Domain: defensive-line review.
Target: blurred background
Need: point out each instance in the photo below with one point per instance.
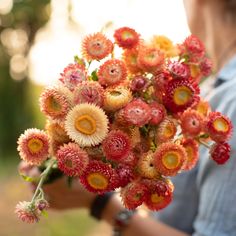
(38, 38)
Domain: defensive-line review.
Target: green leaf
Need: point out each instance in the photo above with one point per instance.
(29, 179)
(204, 136)
(94, 76)
(79, 60)
(44, 213)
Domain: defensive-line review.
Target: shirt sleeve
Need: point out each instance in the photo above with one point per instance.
(217, 190)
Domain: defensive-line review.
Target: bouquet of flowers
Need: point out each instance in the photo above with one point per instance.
(129, 124)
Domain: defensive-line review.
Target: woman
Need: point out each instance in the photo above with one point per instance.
(205, 197)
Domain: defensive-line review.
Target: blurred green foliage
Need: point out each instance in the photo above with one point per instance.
(17, 109)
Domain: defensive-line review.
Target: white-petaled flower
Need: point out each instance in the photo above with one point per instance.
(86, 124)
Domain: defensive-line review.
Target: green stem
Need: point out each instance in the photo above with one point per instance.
(204, 143)
(43, 176)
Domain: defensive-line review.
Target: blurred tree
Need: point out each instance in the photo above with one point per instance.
(17, 31)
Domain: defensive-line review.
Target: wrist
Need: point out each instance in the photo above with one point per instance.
(99, 204)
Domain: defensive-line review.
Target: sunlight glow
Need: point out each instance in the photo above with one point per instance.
(59, 40)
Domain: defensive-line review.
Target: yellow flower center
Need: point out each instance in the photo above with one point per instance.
(53, 105)
(155, 198)
(85, 124)
(97, 181)
(220, 124)
(202, 109)
(169, 131)
(194, 70)
(171, 160)
(35, 145)
(189, 152)
(126, 35)
(182, 95)
(115, 93)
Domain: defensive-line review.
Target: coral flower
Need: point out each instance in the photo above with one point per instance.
(86, 124)
(130, 58)
(126, 37)
(33, 146)
(133, 195)
(220, 152)
(27, 212)
(191, 148)
(137, 112)
(165, 45)
(158, 113)
(112, 72)
(146, 167)
(117, 145)
(72, 160)
(166, 130)
(150, 59)
(169, 158)
(159, 194)
(116, 98)
(96, 47)
(99, 177)
(54, 103)
(194, 47)
(191, 123)
(180, 94)
(89, 92)
(72, 75)
(219, 127)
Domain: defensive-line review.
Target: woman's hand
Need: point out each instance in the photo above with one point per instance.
(60, 196)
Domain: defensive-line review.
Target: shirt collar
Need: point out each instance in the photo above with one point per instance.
(228, 72)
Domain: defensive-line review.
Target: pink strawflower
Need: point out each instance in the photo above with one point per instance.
(158, 113)
(116, 146)
(137, 112)
(27, 212)
(72, 75)
(33, 146)
(72, 160)
(179, 70)
(89, 92)
(125, 175)
(42, 205)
